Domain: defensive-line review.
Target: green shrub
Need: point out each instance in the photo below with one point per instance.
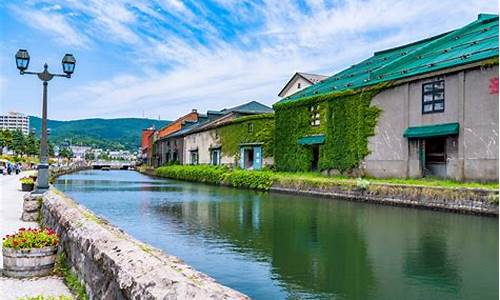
(200, 173)
(362, 184)
(261, 180)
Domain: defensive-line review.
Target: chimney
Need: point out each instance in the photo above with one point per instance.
(194, 110)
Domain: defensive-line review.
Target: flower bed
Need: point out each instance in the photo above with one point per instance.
(31, 238)
(29, 252)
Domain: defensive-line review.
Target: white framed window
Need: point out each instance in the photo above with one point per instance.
(315, 115)
(433, 97)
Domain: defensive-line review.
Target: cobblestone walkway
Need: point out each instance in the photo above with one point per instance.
(11, 206)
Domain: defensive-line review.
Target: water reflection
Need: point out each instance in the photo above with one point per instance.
(429, 261)
(275, 246)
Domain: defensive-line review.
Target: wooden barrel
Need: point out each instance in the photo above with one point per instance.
(28, 262)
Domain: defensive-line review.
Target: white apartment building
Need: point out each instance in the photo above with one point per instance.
(79, 151)
(14, 121)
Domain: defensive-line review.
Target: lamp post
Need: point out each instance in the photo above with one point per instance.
(68, 65)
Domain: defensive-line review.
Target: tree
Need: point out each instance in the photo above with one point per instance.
(89, 156)
(5, 139)
(31, 144)
(66, 152)
(51, 149)
(18, 142)
(104, 156)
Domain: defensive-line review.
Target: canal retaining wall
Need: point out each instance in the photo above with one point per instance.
(59, 171)
(453, 199)
(113, 265)
(461, 200)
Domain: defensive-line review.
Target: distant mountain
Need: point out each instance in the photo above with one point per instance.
(122, 133)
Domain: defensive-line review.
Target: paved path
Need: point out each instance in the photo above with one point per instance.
(11, 207)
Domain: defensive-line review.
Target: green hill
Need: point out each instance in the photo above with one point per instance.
(122, 133)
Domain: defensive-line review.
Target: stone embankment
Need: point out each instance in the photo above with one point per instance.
(59, 171)
(460, 200)
(454, 199)
(113, 265)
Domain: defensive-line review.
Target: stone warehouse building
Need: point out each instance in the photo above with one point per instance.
(190, 139)
(233, 140)
(300, 81)
(425, 108)
(168, 142)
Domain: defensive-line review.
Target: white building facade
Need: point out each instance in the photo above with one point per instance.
(15, 121)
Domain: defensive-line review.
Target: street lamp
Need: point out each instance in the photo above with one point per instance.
(68, 65)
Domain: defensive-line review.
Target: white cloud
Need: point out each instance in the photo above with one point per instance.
(273, 39)
(53, 23)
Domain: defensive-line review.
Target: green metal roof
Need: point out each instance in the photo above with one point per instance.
(312, 140)
(432, 130)
(474, 42)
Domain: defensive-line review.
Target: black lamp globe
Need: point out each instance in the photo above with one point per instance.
(22, 59)
(68, 64)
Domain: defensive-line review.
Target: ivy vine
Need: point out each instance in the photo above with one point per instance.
(249, 129)
(347, 120)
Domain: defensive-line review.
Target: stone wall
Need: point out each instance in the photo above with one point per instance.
(113, 265)
(461, 200)
(472, 155)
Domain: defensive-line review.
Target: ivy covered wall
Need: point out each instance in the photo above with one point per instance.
(347, 120)
(239, 132)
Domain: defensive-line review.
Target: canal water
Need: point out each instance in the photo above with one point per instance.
(280, 246)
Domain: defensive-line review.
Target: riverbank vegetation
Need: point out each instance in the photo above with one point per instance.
(42, 297)
(62, 269)
(261, 180)
(265, 179)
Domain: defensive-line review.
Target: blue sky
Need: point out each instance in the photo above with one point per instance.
(161, 58)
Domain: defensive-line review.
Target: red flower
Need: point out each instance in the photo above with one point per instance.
(22, 229)
(493, 85)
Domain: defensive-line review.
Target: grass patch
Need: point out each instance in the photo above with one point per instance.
(146, 248)
(317, 179)
(263, 180)
(91, 217)
(437, 182)
(42, 297)
(62, 269)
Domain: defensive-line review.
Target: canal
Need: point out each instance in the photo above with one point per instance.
(280, 246)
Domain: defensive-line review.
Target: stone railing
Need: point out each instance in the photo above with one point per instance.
(113, 265)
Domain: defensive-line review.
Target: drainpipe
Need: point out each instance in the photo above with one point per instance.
(461, 120)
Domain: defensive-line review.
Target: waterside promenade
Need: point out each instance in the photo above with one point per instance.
(11, 207)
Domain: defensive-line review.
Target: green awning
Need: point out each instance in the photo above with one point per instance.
(432, 130)
(312, 140)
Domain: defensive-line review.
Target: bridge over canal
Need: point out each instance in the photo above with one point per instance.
(113, 164)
